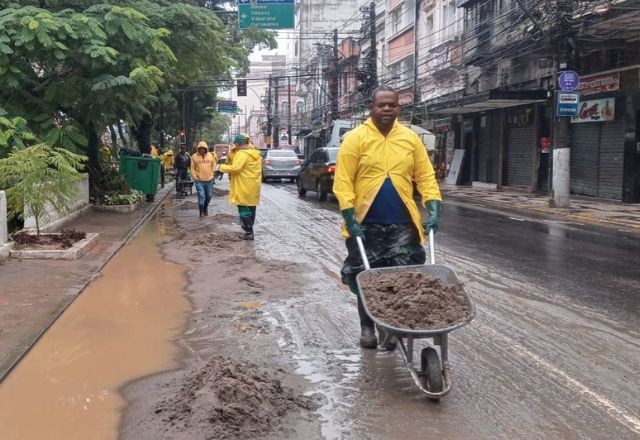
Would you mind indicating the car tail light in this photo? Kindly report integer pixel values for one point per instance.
(298, 162)
(267, 162)
(330, 169)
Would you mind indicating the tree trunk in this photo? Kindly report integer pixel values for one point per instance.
(125, 144)
(114, 139)
(142, 133)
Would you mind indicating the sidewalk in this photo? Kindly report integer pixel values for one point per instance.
(581, 209)
(33, 293)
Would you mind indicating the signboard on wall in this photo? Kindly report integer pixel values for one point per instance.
(567, 104)
(593, 84)
(596, 110)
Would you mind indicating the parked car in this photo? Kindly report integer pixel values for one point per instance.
(280, 164)
(317, 173)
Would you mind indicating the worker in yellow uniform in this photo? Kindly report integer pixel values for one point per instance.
(376, 164)
(203, 165)
(246, 177)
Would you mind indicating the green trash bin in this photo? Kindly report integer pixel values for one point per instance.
(141, 173)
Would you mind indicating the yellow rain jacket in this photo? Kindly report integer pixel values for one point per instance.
(202, 167)
(246, 175)
(366, 158)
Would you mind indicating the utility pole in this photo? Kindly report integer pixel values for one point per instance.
(276, 118)
(289, 110)
(561, 140)
(269, 115)
(373, 53)
(333, 88)
(416, 47)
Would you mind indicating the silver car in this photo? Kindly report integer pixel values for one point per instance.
(280, 164)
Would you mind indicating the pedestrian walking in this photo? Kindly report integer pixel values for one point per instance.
(377, 164)
(182, 164)
(203, 165)
(246, 178)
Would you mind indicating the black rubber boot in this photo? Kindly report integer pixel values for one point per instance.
(201, 211)
(206, 205)
(368, 337)
(248, 228)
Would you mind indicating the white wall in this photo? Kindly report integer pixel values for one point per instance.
(3, 218)
(81, 201)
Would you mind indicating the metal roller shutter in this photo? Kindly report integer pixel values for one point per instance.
(611, 160)
(585, 142)
(520, 156)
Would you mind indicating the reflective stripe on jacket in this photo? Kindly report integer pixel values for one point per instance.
(366, 158)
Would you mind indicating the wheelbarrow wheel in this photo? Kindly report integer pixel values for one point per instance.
(431, 370)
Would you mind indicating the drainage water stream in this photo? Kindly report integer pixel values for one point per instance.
(120, 329)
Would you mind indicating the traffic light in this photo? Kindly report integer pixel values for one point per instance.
(183, 137)
(242, 87)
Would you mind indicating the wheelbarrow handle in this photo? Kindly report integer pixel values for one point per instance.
(432, 246)
(363, 254)
(432, 250)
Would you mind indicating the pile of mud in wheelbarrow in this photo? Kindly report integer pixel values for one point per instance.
(417, 302)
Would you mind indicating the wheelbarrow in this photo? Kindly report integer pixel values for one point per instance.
(434, 376)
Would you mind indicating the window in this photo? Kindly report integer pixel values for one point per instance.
(333, 154)
(282, 153)
(284, 109)
(450, 22)
(299, 108)
(430, 37)
(396, 19)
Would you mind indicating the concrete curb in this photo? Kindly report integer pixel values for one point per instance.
(547, 211)
(73, 253)
(163, 193)
(124, 209)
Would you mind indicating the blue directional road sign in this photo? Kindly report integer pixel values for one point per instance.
(227, 106)
(568, 104)
(266, 14)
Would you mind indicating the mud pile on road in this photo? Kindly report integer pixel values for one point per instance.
(229, 399)
(415, 300)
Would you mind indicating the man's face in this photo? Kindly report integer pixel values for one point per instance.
(202, 150)
(183, 149)
(385, 108)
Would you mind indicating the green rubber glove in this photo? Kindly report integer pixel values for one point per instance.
(433, 210)
(353, 227)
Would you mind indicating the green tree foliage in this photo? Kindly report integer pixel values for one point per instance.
(38, 177)
(70, 67)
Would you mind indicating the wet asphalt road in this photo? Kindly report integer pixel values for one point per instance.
(553, 351)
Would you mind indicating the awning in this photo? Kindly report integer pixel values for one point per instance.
(303, 132)
(489, 100)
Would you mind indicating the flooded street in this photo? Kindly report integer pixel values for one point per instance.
(121, 328)
(259, 340)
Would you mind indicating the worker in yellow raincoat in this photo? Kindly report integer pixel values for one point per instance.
(376, 165)
(246, 178)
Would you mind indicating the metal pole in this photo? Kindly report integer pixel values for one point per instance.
(289, 110)
(276, 118)
(373, 55)
(334, 79)
(269, 115)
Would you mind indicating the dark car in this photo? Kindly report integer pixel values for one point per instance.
(317, 173)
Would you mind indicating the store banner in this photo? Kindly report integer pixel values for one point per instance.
(596, 110)
(590, 85)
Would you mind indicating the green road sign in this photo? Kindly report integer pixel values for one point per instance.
(267, 15)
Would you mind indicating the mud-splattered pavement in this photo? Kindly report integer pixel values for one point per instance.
(539, 361)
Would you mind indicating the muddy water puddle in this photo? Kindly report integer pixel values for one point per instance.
(120, 329)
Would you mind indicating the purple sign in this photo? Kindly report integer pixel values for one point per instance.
(568, 80)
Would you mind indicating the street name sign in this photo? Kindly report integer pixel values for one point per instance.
(568, 104)
(266, 14)
(568, 80)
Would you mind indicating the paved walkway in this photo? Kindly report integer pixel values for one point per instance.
(33, 293)
(584, 210)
